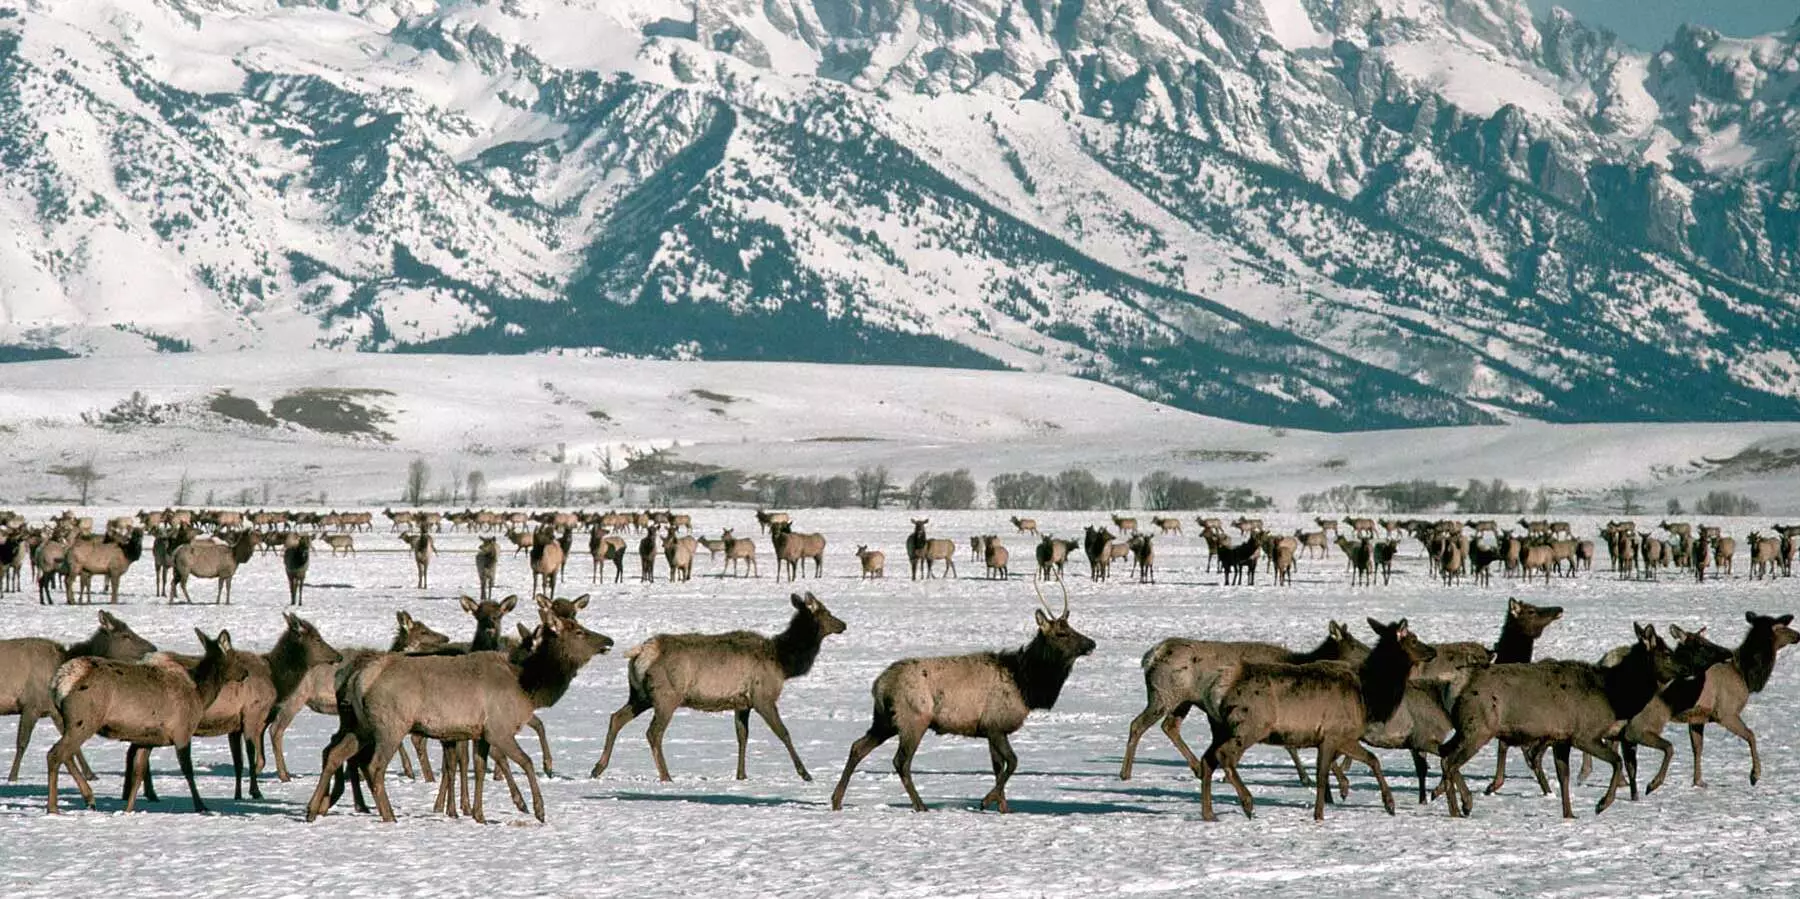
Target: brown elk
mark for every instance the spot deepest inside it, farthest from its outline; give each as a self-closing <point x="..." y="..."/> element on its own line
<point x="1765" y="555"/>
<point x="1143" y="557"/>
<point x="1728" y="686"/>
<point x="737" y="672"/>
<point x="210" y="560"/>
<point x="678" y="552"/>
<point x="1025" y="525"/>
<point x="1537" y="555"/>
<point x="986" y="694"/>
<point x="316" y="688"/>
<point x="611" y="548"/>
<point x="546" y="562"/>
<point x="995" y="557"/>
<point x="108" y="558"/>
<point x="874" y="562"/>
<point x="296" y="558"/>
<point x="1236" y="561"/>
<point x="1096" y="544"/>
<point x="1645" y="729"/>
<point x="924" y="552"/>
<point x="1166" y="526"/>
<point x="1247" y="526"/>
<point x="1724" y="550"/>
<point x="764" y="519"/>
<point x="480" y="696"/>
<point x="28" y="665"/>
<point x="422" y="547"/>
<point x="647" y="556"/>
<point x="1182" y="674"/>
<point x="1569" y="704"/>
<point x="1052" y="555"/>
<point x="487" y="565"/>
<point x="740" y="553"/>
<point x="157" y="702"/>
<point x="1125" y="525"/>
<point x="793" y="549"/>
<point x="341" y="544"/>
<point x="1283" y="561"/>
<point x="1326" y="705"/>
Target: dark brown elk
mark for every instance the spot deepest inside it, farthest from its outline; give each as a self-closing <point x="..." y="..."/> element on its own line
<point x="1568" y="704"/>
<point x="923" y="552"/>
<point x="1182" y="674"/>
<point x="1325" y="705"/>
<point x="487" y="565"/>
<point x="210" y="560"/>
<point x="985" y="694"/>
<point x="296" y="558"/>
<point x="793" y="548"/>
<point x="1052" y="555"/>
<point x="316" y="688"/>
<point x="1096" y="545"/>
<point x="1143" y="558"/>
<point x="480" y="696"/>
<point x="157" y="702"/>
<point x="737" y="672"/>
<point x="28" y="665"/>
<point x="647" y="556"/>
<point x="108" y="558"/>
<point x="1236" y="561"/>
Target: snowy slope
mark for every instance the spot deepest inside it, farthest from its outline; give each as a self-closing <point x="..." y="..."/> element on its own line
<point x="1075" y="828"/>
<point x="250" y="422"/>
<point x="1385" y="213"/>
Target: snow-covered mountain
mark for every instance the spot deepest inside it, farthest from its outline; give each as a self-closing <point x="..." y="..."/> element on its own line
<point x="1329" y="213"/>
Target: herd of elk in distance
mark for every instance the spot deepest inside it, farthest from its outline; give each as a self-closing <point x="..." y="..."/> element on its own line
<point x="1340" y="699"/>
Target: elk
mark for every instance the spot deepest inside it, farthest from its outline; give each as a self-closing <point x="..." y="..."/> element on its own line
<point x="1181" y="674"/>
<point x="210" y="560"/>
<point x="1247" y="526"/>
<point x="341" y="544"/>
<point x="1645" y="729"/>
<point x="1143" y="558"/>
<point x="1025" y="525"/>
<point x="241" y="710"/>
<point x="481" y="696"/>
<point x="156" y="702"/>
<point x="1052" y="554"/>
<point x="978" y="547"/>
<point x="611" y="548"/>
<point x="925" y="552"/>
<point x="874" y="562"/>
<point x="1125" y="525"/>
<point x="996" y="557"/>
<point x="1096" y="545"/>
<point x="793" y="549"/>
<point x="985" y="694"/>
<point x="109" y="558"/>
<point x="679" y="553"/>
<point x="1310" y="541"/>
<point x="1537" y="556"/>
<point x="739" y="672"/>
<point x="28" y="665"/>
<point x="765" y="519"/>
<point x="1728" y="686"/>
<point x="315" y="688"/>
<point x="422" y="546"/>
<point x="546" y="562"/>
<point x="162" y="554"/>
<point x="1724" y="549"/>
<point x="1235" y="561"/>
<point x="1283" y="559"/>
<point x="487" y="564"/>
<point x="1166" y="526"/>
<point x="295" y="559"/>
<point x="521" y="540"/>
<point x="1327" y="705"/>
<point x="647" y="556"/>
<point x="740" y="553"/>
<point x="1765" y="555"/>
<point x="1569" y="704"/>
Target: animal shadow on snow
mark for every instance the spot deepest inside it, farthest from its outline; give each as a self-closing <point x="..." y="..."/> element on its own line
<point x="107" y="801"/>
<point x="708" y="799"/>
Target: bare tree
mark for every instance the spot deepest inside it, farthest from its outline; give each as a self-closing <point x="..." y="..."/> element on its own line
<point x="418" y="476"/>
<point x="1628" y="500"/>
<point x="81" y="477"/>
<point x="268" y="492"/>
<point x="871" y="485"/>
<point x="477" y="484"/>
<point x="184" y="488"/>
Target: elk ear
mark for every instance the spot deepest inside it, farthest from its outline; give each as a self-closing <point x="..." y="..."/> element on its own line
<point x="1513" y="606"/>
<point x="543" y="604"/>
<point x="205" y="641"/>
<point x="1043" y="621"/>
<point x="108" y="622"/>
<point x="581" y="602"/>
<point x="508" y="604"/>
<point x="405" y="619"/>
<point x="1334" y="630"/>
<point x="524" y="632"/>
<point x="1785" y="620"/>
<point x="1748" y="616"/>
<point x="798" y="602"/>
<point x="468" y="605"/>
<point x="224" y="642"/>
<point x="1381" y="630"/>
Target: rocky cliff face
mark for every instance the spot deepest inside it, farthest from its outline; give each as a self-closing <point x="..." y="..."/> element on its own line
<point x="1364" y="213"/>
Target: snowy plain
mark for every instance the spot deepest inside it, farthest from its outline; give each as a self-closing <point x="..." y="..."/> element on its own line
<point x="1076" y="829"/>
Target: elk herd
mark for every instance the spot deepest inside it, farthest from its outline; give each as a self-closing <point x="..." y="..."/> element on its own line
<point x="1341" y="699"/>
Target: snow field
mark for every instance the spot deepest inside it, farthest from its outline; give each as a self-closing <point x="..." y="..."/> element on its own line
<point x="1075" y="828"/>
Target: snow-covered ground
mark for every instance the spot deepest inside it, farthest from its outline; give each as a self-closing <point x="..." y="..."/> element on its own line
<point x="1075" y="828"/>
<point x="513" y="418"/>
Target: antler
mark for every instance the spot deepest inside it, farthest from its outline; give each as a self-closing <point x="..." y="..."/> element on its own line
<point x="1040" y="595"/>
<point x="1065" y="590"/>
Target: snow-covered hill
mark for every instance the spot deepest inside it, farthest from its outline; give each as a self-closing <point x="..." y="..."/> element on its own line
<point x="1343" y="215"/>
<point x="339" y="428"/>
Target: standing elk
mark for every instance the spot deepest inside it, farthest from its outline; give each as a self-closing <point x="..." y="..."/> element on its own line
<point x="793" y="549"/>
<point x="678" y="552"/>
<point x="546" y="562"/>
<point x="647" y="556"/>
<point x="1728" y="687"/>
<point x="1167" y="526"/>
<point x="985" y="694"/>
<point x="28" y="665"/>
<point x="737" y="672"/>
<point x="341" y="544"/>
<point x="210" y="560"/>
<point x="1143" y="557"/>
<point x="487" y="565"/>
<point x="108" y="558"/>
<point x="874" y="562"/>
<point x="1096" y="544"/>
<point x="157" y="702"/>
<point x="924" y="552"/>
<point x="1125" y="525"/>
<point x="765" y="519"/>
<point x="1025" y="525"/>
<point x="480" y="696"/>
<point x="422" y="547"/>
<point x="995" y="558"/>
<point x="1052" y="555"/>
<point x="296" y="558"/>
<point x="1324" y="705"/>
<point x="611" y="548"/>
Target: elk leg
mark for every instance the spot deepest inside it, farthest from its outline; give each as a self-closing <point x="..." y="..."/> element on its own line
<point x="149" y="783"/>
<point x="1696" y="739"/>
<point x="134" y="767"/>
<point x="1152" y="711"/>
<point x="512" y="786"/>
<point x="537" y="724"/>
<point x="1629" y="750"/>
<point x="185" y="754"/>
<point x="481" y="763"/>
<point x="508" y="747"/>
<point x="658" y="726"/>
<point x="1587" y="768"/>
<point x="418" y="743"/>
<point x="903" y="759"/>
<point x="1342" y="772"/>
<point x="446" y="791"/>
<point x="1605" y="753"/>
<point x="1561" y="751"/>
<point x="331" y="774"/>
<point x="878" y="733"/>
<point x="741" y="721"/>
<point x="1299" y="766"/>
<point x="1000" y="752"/>
<point x="375" y="770"/>
<point x="284" y="716"/>
<point x="1535" y="755"/>
<point x="1228" y="756"/>
<point x="28" y="720"/>
<point x="1668" y="755"/>
<point x="1736" y="725"/>
<point x="1171" y="727"/>
<point x="771" y="716"/>
<point x="1322" y="783"/>
<point x="633" y="707"/>
<point x="1421" y="769"/>
<point x="237" y="766"/>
